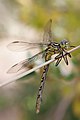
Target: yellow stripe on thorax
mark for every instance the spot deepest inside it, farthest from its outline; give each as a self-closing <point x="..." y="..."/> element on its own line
<point x="49" y="53"/>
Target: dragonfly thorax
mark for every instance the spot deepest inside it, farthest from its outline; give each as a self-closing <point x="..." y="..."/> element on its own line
<point x="54" y="46"/>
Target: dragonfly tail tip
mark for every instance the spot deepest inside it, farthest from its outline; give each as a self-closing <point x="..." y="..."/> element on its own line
<point x="37" y="111"/>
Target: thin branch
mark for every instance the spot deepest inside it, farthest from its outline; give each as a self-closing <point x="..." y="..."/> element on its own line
<point x="33" y="69"/>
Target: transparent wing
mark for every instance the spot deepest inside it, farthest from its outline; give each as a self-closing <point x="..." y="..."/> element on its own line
<point x="25" y="63"/>
<point x="22" y="45"/>
<point x="47" y="36"/>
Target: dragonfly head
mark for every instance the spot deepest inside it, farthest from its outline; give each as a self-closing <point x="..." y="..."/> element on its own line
<point x="65" y="44"/>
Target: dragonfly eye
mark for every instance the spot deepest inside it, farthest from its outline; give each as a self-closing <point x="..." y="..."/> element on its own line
<point x="64" y="44"/>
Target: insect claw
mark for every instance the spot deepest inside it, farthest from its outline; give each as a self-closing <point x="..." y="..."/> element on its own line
<point x="69" y="55"/>
<point x="66" y="62"/>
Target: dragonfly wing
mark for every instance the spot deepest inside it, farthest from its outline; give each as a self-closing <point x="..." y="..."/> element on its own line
<point x="25" y="63"/>
<point x="15" y="68"/>
<point x="22" y="45"/>
<point x="47" y="36"/>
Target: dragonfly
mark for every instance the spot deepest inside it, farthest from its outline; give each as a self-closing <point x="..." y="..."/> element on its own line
<point x="50" y="48"/>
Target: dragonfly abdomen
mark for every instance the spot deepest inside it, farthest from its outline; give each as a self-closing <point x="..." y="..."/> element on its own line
<point x="40" y="91"/>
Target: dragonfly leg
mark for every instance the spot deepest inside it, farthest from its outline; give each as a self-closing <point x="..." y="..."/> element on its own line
<point x="65" y="56"/>
<point x="65" y="59"/>
<point x="67" y="53"/>
<point x="58" y="61"/>
<point x="58" y="56"/>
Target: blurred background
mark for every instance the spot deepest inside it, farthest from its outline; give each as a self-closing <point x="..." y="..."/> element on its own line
<point x="25" y="20"/>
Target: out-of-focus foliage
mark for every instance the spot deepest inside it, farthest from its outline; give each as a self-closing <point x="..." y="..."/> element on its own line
<point x="61" y="97"/>
<point x="65" y="15"/>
